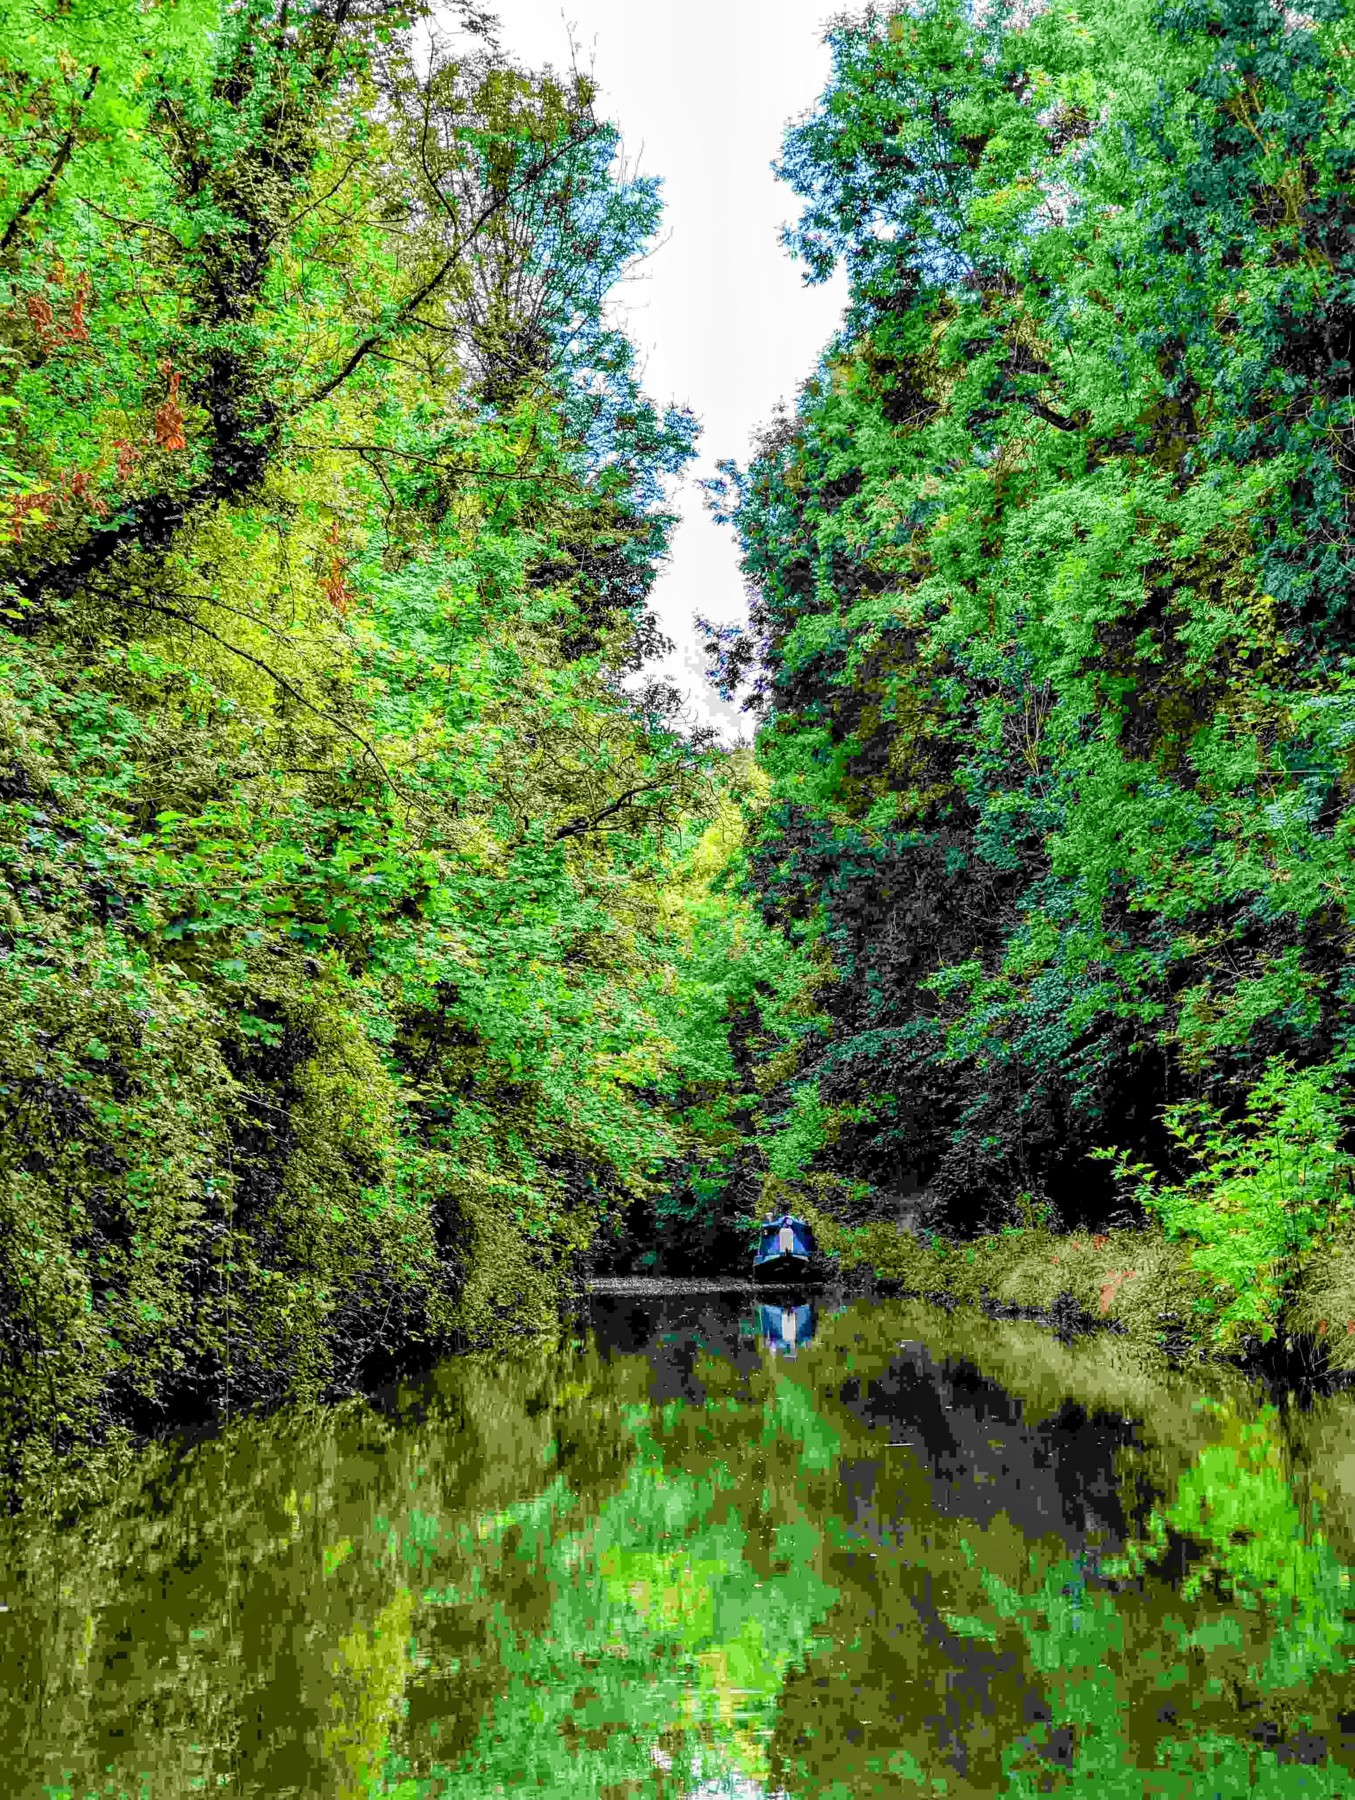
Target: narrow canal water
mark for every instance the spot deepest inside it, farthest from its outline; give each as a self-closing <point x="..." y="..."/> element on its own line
<point x="713" y="1546"/>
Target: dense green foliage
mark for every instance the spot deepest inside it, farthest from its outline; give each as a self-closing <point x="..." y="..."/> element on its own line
<point x="377" y="947"/>
<point x="359" y="958"/>
<point x="1052" y="638"/>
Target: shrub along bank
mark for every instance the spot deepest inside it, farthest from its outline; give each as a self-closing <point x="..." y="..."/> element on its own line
<point x="1251" y="1245"/>
<point x="1138" y="1281"/>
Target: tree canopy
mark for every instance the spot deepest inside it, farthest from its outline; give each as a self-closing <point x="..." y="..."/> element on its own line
<point x="381" y="945"/>
<point x="360" y="963"/>
<point x="1051" y="643"/>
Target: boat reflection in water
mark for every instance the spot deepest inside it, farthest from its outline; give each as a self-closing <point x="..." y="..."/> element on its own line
<point x="785" y="1329"/>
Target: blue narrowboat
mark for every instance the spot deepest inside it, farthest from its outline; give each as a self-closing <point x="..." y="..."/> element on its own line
<point x="785" y="1247"/>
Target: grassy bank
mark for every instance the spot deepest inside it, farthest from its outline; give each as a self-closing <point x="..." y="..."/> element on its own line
<point x="1140" y="1281"/>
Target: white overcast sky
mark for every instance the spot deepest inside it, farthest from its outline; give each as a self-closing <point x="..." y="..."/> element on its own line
<point x="701" y="92"/>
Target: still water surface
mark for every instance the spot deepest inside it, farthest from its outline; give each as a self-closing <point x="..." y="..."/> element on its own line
<point x="709" y="1547"/>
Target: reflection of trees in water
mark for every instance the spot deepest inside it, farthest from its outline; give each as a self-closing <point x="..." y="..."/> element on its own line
<point x="1255" y="1636"/>
<point x="994" y="1640"/>
<point x="878" y="1565"/>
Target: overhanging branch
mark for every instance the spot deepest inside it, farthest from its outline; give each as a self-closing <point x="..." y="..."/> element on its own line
<point x="53" y="175"/>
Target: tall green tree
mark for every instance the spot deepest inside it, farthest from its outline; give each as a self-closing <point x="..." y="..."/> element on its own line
<point x="1051" y="640"/>
<point x="341" y="1002"/>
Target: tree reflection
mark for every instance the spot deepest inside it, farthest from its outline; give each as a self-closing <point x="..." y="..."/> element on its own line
<point x="890" y="1555"/>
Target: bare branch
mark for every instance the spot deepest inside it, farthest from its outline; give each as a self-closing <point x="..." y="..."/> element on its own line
<point x="281" y="681"/>
<point x="432" y="462"/>
<point x="132" y="224"/>
<point x="374" y="340"/>
<point x="1057" y="420"/>
<point x="578" y="827"/>
<point x="53" y="175"/>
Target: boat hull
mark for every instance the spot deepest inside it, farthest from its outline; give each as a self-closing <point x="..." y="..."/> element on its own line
<point x="782" y="1268"/>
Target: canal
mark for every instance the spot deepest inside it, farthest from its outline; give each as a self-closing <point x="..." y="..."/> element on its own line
<point x="713" y="1545"/>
